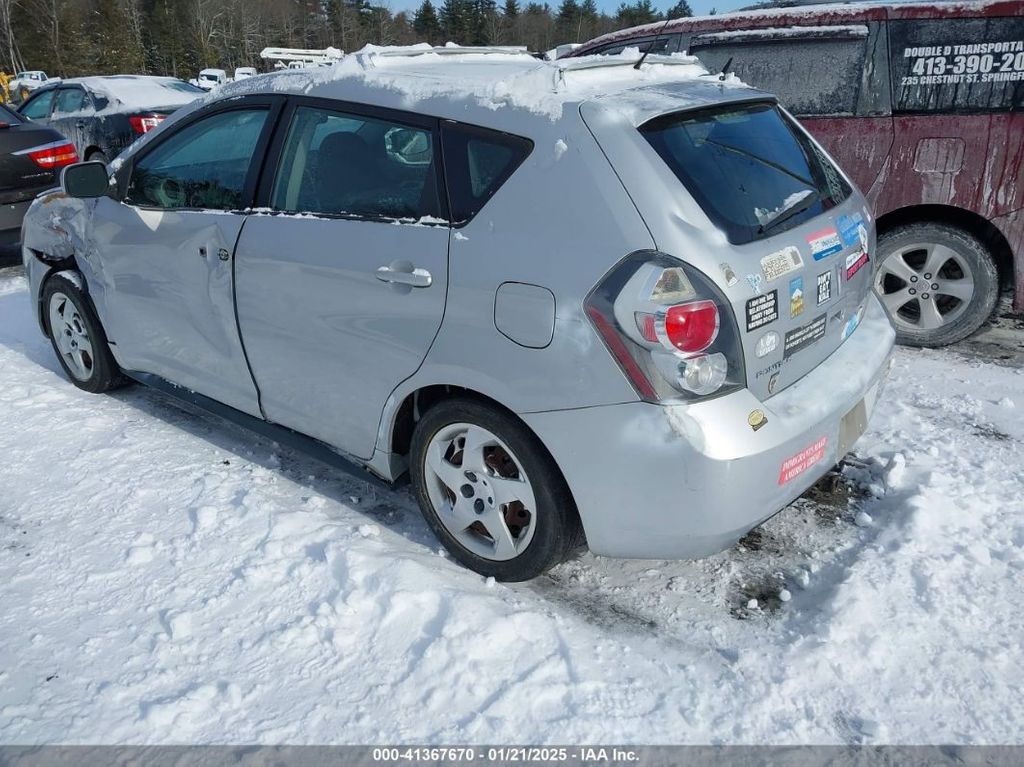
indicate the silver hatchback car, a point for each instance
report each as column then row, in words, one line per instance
column 611, row 301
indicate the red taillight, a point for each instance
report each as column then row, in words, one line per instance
column 692, row 327
column 145, row 123
column 55, row 155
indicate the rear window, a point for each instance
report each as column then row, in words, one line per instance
column 477, row 163
column 8, row 116
column 957, row 65
column 752, row 171
column 813, row 72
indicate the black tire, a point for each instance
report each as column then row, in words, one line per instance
column 960, row 316
column 103, row 373
column 97, row 156
column 558, row 531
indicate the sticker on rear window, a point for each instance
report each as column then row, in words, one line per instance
column 762, row 310
column 781, row 262
column 796, row 465
column 803, row 336
column 824, row 243
column 824, row 287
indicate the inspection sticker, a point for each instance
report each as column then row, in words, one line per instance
column 762, row 310
column 803, row 336
column 824, row 243
column 796, row 465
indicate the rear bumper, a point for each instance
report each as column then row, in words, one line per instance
column 670, row 482
column 11, row 216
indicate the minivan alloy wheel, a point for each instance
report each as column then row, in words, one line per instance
column 480, row 491
column 71, row 336
column 925, row 285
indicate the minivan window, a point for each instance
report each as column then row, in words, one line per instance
column 657, row 45
column 751, row 169
column 336, row 163
column 38, row 107
column 203, row 165
column 478, row 162
column 957, row 65
column 819, row 74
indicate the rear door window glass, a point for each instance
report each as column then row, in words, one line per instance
column 477, row 163
column 203, row 165
column 812, row 71
column 750, row 168
column 957, row 65
column 658, row 45
column 69, row 100
column 38, row 107
column 336, row 163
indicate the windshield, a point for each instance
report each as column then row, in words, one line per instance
column 752, row 171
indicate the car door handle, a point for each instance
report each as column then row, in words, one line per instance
column 417, row 278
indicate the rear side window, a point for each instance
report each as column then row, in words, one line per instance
column 69, row 100
column 752, row 171
column 336, row 163
column 812, row 73
column 10, row 117
column 957, row 65
column 203, row 165
column 38, row 107
column 477, row 163
column 657, row 45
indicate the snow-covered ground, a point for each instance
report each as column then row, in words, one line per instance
column 165, row 577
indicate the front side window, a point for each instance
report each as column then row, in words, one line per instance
column 478, row 162
column 341, row 164
column 957, row 65
column 813, row 75
column 69, row 100
column 750, row 168
column 38, row 107
column 203, row 165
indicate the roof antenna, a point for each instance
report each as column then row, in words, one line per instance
column 725, row 70
column 643, row 56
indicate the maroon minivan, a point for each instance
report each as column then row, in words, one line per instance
column 922, row 106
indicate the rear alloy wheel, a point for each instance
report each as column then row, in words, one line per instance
column 490, row 492
column 937, row 283
column 77, row 337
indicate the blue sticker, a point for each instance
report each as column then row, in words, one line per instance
column 796, row 296
column 755, row 282
column 848, row 229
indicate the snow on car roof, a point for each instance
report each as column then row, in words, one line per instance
column 140, row 91
column 492, row 78
column 855, row 10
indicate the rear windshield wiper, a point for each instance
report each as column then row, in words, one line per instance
column 795, row 209
column 762, row 160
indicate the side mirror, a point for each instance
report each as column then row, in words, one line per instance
column 85, row 180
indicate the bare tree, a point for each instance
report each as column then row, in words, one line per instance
column 7, row 38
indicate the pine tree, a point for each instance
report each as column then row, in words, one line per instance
column 455, row 20
column 510, row 10
column 640, row 12
column 426, row 23
column 680, row 10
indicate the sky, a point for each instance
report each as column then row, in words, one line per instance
column 700, row 7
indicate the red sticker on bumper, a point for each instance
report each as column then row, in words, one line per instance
column 802, row 461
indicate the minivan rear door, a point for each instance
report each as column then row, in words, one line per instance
column 341, row 284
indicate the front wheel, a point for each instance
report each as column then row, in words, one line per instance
column 491, row 492
column 937, row 283
column 77, row 337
